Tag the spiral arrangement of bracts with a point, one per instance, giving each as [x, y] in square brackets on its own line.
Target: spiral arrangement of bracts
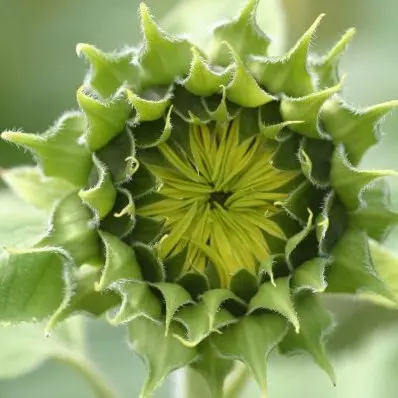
[206, 200]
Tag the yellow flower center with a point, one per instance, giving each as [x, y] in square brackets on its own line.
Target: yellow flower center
[218, 199]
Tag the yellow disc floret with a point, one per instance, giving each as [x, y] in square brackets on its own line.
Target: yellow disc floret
[218, 199]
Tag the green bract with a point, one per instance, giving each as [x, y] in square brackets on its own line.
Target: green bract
[207, 200]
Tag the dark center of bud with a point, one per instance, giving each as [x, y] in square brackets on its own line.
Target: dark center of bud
[219, 197]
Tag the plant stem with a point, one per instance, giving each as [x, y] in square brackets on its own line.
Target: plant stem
[89, 372]
[239, 380]
[189, 384]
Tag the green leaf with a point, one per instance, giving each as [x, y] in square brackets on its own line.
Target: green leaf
[121, 219]
[314, 156]
[243, 35]
[83, 298]
[212, 367]
[148, 109]
[142, 182]
[243, 88]
[151, 134]
[25, 347]
[305, 196]
[105, 118]
[205, 317]
[60, 150]
[327, 66]
[250, 341]
[31, 185]
[146, 230]
[190, 108]
[218, 108]
[311, 275]
[120, 264]
[331, 223]
[193, 282]
[151, 267]
[357, 130]
[352, 270]
[386, 266]
[137, 301]
[21, 225]
[276, 297]
[348, 181]
[72, 228]
[32, 283]
[315, 323]
[274, 263]
[175, 296]
[162, 353]
[276, 131]
[109, 71]
[244, 284]
[162, 58]
[119, 156]
[307, 109]
[102, 195]
[202, 80]
[375, 214]
[294, 242]
[294, 78]
[285, 156]
[196, 15]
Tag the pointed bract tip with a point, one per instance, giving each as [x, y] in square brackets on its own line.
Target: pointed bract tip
[383, 108]
[311, 30]
[6, 135]
[20, 138]
[249, 10]
[148, 24]
[338, 49]
[82, 49]
[347, 37]
[304, 41]
[350, 33]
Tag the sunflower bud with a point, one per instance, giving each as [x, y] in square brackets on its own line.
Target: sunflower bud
[205, 201]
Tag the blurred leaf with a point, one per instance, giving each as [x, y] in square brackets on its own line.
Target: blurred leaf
[386, 265]
[356, 321]
[20, 224]
[199, 17]
[24, 347]
[32, 284]
[33, 186]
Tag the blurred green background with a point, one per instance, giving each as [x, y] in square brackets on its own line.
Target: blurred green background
[39, 75]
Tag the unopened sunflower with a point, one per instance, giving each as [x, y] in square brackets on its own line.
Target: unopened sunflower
[205, 201]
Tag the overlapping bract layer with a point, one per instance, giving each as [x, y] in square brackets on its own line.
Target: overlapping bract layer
[112, 162]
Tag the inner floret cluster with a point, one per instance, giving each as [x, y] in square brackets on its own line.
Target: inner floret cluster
[218, 199]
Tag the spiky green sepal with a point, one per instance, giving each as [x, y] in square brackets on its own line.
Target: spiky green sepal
[207, 201]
